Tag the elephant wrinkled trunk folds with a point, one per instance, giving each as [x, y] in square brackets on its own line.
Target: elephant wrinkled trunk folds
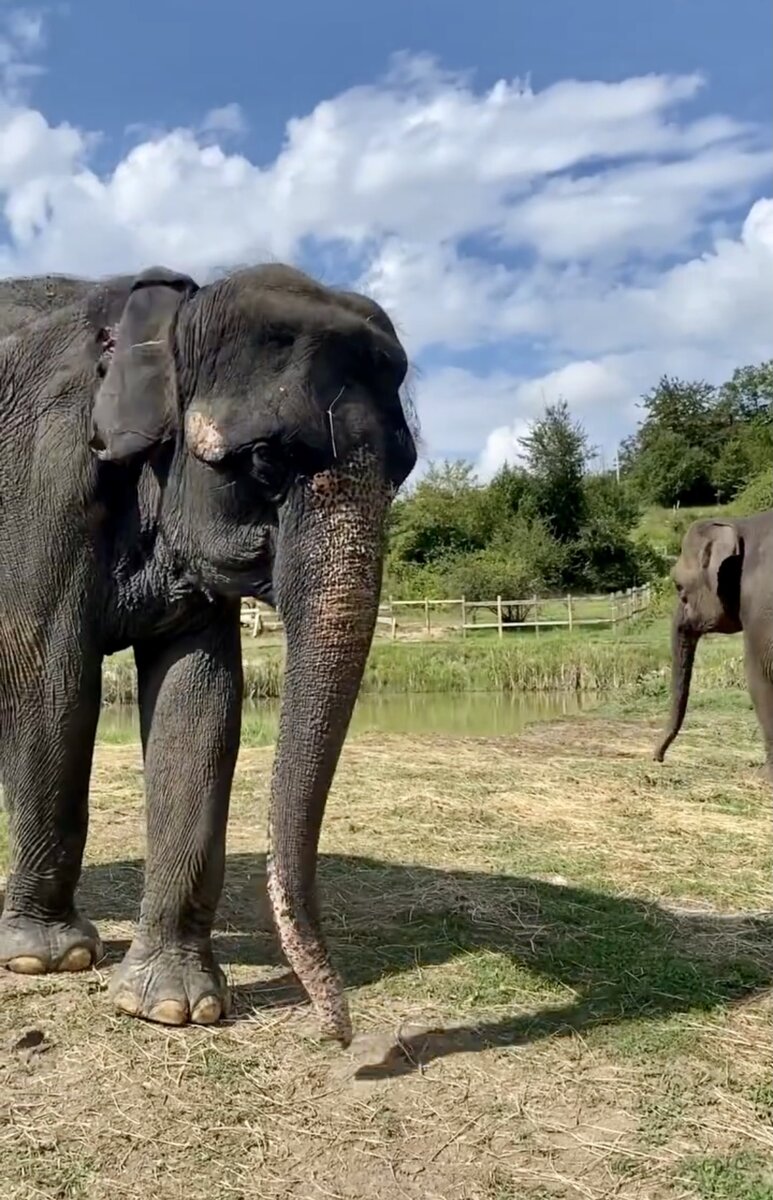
[684, 641]
[328, 575]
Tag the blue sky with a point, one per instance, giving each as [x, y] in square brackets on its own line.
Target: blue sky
[551, 198]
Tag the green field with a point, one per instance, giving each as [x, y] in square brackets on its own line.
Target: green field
[657, 524]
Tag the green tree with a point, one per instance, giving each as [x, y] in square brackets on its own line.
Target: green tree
[505, 495]
[550, 525]
[745, 421]
[670, 458]
[445, 514]
[748, 394]
[606, 555]
[557, 453]
[670, 470]
[698, 444]
[682, 406]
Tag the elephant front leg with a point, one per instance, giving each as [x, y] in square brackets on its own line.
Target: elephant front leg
[190, 708]
[46, 756]
[758, 669]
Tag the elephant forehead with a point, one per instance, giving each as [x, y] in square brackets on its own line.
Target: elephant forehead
[289, 310]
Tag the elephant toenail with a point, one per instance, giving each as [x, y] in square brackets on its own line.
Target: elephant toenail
[77, 959]
[26, 964]
[126, 1002]
[169, 1012]
[208, 1011]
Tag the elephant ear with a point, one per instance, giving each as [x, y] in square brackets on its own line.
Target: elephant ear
[721, 559]
[136, 404]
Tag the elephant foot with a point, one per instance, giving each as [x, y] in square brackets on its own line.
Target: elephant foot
[30, 946]
[172, 985]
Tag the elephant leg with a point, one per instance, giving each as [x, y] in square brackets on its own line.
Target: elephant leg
[190, 691]
[47, 747]
[761, 690]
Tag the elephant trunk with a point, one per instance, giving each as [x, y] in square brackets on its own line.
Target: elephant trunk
[684, 641]
[328, 575]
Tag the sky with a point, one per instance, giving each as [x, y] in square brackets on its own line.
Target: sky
[552, 199]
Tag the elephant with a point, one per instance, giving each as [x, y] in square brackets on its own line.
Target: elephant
[167, 449]
[724, 582]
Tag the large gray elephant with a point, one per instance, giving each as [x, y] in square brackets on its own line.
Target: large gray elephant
[167, 449]
[724, 581]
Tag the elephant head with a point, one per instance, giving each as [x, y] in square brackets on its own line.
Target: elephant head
[707, 576]
[267, 399]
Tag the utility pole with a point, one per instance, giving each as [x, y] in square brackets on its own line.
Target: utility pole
[617, 466]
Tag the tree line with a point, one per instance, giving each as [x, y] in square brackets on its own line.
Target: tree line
[552, 523]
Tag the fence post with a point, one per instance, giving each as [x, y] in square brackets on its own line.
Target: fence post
[426, 614]
[613, 603]
[394, 629]
[464, 618]
[536, 616]
[569, 611]
[499, 616]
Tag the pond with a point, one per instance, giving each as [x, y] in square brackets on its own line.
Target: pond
[486, 714]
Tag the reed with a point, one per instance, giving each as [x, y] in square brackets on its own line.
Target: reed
[558, 662]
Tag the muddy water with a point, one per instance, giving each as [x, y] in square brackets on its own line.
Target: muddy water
[488, 714]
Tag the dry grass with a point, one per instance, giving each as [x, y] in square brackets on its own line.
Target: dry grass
[559, 976]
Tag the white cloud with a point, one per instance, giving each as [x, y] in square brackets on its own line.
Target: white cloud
[25, 27]
[21, 33]
[228, 119]
[701, 319]
[650, 207]
[425, 159]
[457, 406]
[503, 445]
[570, 226]
[442, 297]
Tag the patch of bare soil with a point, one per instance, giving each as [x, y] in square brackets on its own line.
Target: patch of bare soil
[559, 974]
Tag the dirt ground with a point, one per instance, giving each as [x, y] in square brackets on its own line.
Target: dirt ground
[559, 965]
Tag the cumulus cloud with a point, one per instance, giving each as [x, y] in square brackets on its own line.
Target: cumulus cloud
[566, 229]
[445, 298]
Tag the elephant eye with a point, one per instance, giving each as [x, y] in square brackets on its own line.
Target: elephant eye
[269, 469]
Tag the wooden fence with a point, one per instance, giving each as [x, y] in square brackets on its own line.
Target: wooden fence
[418, 619]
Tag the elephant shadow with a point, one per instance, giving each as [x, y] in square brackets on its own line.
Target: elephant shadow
[602, 959]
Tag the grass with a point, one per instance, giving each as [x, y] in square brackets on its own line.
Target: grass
[558, 968]
[744, 1176]
[657, 523]
[638, 658]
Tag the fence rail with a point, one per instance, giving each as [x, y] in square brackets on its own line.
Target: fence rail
[461, 615]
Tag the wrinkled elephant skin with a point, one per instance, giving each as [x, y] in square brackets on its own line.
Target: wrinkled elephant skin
[724, 582]
[168, 449]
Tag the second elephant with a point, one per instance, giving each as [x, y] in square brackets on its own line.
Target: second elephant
[724, 581]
